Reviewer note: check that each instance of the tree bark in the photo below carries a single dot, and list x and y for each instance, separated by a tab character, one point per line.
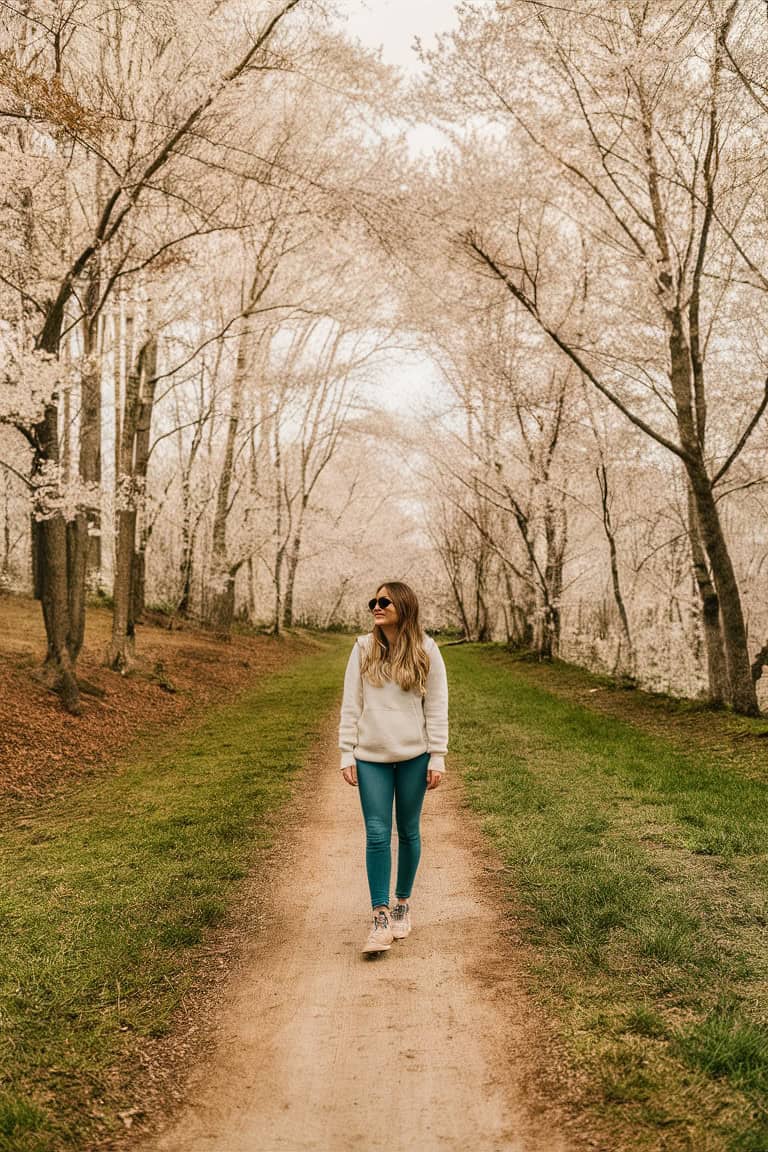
87	523
626	665
141	464
741	687
221	606
50	548
121	650
290	580
717	676
741	693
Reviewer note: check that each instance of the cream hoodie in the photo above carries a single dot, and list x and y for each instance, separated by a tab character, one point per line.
387	724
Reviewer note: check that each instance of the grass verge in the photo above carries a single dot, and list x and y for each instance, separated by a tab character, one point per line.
108	889
643	871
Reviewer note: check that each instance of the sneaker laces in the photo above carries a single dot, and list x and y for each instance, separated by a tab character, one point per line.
399	911
380	920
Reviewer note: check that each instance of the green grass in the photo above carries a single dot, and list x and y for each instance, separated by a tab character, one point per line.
643	872
108	888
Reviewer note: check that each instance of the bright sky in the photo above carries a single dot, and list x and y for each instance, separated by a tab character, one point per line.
392	24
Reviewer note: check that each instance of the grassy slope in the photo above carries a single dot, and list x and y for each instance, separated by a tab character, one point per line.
106	890
644	873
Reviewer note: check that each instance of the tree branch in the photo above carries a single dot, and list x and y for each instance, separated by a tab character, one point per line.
470	240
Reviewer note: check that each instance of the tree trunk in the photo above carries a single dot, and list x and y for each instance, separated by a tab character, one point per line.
293	564
221	608
741	687
281	544
56	611
122	647
188	530
518	620
141	464
626	664
555	537
482	626
278	584
50	546
717	675
87	523
458	597
6	570
290	581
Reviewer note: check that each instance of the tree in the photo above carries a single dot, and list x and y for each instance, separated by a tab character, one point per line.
625	132
45	79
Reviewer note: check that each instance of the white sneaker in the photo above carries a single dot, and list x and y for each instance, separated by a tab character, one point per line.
401	921
380	936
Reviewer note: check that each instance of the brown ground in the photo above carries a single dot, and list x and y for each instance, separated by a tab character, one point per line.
431	1046
42	747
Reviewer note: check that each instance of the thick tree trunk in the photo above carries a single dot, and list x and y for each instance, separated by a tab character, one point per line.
50	547
221	606
56	611
121	650
139	584
86	526
717	675
741	687
90	442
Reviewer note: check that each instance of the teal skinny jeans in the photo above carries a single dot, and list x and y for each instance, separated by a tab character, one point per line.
379	785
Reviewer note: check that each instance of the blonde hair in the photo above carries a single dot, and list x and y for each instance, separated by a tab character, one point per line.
407	663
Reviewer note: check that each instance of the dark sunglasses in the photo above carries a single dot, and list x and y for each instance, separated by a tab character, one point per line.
382	603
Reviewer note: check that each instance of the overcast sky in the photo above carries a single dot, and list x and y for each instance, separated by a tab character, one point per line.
406	381
392	24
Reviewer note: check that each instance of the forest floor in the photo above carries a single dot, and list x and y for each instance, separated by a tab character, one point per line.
179	674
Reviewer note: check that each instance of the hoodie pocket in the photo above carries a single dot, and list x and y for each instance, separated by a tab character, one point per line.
390	732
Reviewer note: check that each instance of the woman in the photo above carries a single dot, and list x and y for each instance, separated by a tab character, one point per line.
393	738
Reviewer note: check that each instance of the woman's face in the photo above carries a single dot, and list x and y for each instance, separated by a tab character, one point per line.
388	615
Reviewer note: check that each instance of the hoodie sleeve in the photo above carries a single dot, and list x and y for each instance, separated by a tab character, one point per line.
436	709
351	708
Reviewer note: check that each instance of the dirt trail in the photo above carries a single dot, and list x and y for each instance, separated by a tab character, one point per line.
423	1047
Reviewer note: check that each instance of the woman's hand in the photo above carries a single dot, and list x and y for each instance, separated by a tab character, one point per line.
350	774
433	778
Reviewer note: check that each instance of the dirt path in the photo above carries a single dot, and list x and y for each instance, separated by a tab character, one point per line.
423	1047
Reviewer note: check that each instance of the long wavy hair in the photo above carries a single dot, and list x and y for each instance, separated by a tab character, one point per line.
406	661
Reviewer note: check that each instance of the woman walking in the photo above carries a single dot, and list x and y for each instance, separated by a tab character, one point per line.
393	737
